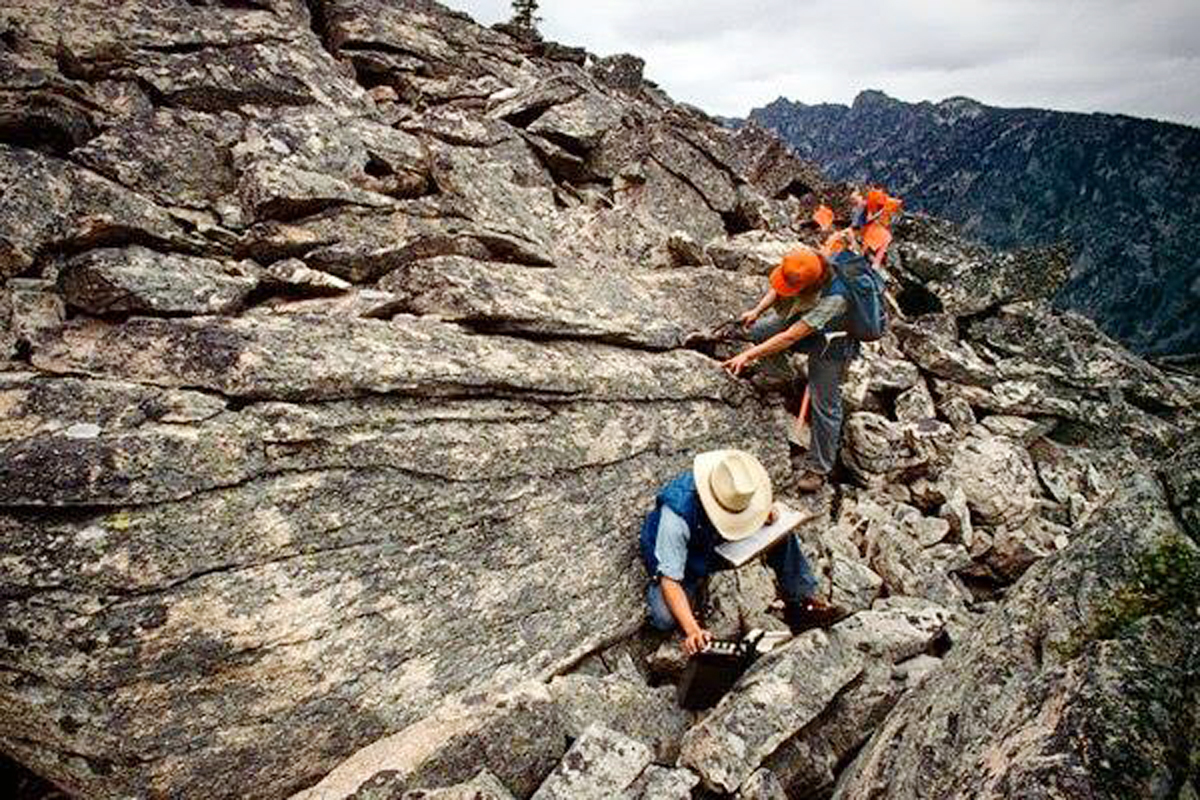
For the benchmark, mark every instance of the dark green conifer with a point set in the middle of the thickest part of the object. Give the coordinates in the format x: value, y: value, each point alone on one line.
x: 525, y: 14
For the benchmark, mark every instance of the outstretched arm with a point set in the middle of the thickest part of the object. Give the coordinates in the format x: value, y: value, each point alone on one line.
x: 777, y: 343
x: 695, y: 637
x: 767, y: 300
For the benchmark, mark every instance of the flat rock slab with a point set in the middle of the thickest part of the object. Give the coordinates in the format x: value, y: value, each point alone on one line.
x: 599, y: 766
x: 137, y: 280
x: 305, y: 358
x: 437, y: 579
x: 642, y: 309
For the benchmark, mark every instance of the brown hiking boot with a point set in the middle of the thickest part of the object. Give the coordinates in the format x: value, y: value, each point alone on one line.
x: 812, y: 613
x: 810, y: 482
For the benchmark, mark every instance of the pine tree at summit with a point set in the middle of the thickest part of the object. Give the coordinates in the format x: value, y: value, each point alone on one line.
x: 525, y: 14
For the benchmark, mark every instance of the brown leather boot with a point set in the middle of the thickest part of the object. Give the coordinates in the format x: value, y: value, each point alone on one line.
x: 810, y: 481
x: 812, y: 613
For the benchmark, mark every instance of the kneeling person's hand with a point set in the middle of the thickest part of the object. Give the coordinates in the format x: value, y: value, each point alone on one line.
x: 696, y: 641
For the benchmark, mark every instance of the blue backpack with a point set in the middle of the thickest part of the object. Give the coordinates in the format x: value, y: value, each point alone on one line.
x: 866, y: 318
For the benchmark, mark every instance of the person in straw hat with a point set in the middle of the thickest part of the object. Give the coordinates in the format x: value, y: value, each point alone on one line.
x: 725, y: 496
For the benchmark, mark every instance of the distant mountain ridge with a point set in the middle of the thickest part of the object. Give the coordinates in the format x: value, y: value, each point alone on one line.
x: 1121, y: 190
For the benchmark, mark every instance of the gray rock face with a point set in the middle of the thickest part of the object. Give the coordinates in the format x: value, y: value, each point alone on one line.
x: 174, y: 157
x: 267, y: 471
x: 572, y: 303
x: 51, y: 206
x: 301, y: 358
x: 1059, y: 687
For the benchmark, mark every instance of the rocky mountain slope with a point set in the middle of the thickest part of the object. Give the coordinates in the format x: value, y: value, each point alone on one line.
x: 1118, y: 189
x: 341, y: 355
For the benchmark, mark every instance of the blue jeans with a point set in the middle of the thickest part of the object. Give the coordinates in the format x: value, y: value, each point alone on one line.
x: 786, y: 559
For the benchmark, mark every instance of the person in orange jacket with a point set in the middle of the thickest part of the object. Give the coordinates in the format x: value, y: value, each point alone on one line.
x: 879, y: 209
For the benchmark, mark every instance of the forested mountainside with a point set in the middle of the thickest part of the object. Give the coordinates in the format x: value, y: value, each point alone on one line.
x: 1120, y: 190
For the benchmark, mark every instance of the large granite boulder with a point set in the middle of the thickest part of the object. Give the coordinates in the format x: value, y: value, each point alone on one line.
x: 135, y: 280
x: 623, y: 703
x: 998, y: 479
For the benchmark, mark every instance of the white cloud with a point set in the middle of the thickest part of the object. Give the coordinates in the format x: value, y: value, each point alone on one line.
x: 1118, y: 56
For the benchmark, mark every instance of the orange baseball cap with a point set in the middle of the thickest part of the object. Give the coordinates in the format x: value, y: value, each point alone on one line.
x: 798, y: 270
x: 876, y: 200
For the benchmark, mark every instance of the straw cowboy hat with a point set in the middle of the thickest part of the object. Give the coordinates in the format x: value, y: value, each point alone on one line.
x: 735, y: 491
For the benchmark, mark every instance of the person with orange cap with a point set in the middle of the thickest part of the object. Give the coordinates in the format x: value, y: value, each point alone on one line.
x: 876, y: 225
x: 809, y: 306
x: 726, y: 496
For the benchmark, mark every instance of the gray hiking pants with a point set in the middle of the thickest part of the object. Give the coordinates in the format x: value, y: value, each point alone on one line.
x: 825, y: 376
x: 827, y: 363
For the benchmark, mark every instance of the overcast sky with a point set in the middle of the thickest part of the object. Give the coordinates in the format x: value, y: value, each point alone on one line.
x: 728, y: 56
